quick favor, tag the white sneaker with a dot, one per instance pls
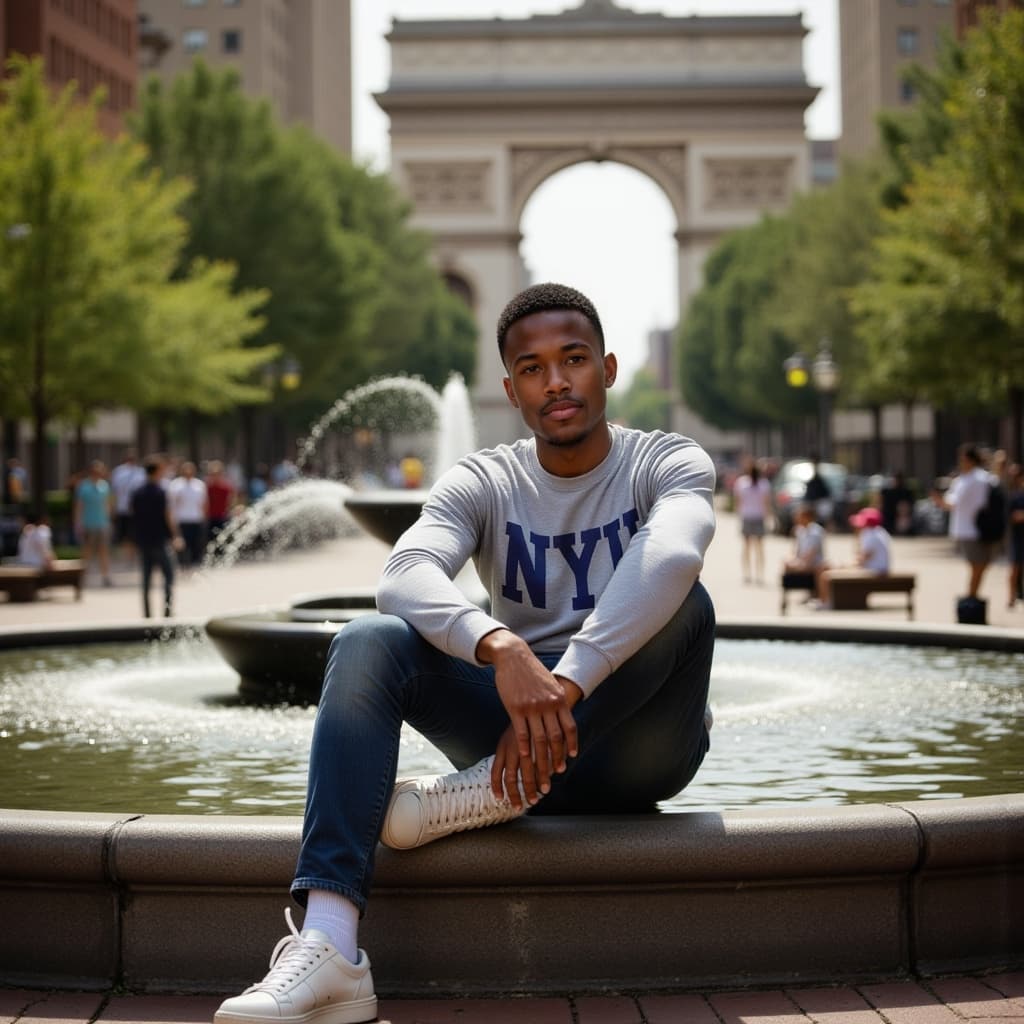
(309, 980)
(431, 806)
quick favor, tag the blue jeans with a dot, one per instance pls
(641, 733)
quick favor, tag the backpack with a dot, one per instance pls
(990, 520)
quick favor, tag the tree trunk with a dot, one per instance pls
(39, 420)
(1017, 424)
(11, 434)
(908, 439)
(192, 425)
(877, 442)
(81, 461)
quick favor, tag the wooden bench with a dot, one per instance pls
(797, 581)
(22, 583)
(849, 589)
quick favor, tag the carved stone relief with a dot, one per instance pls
(449, 185)
(747, 183)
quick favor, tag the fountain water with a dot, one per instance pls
(280, 654)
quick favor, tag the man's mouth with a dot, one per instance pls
(563, 409)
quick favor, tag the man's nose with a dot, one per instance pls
(556, 380)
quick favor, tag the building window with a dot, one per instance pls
(232, 3)
(232, 40)
(194, 39)
(907, 42)
(194, 3)
(907, 92)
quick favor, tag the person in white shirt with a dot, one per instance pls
(966, 495)
(187, 497)
(753, 496)
(125, 479)
(873, 551)
(809, 535)
(35, 544)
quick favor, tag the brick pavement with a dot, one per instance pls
(989, 999)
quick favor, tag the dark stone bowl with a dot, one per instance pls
(386, 515)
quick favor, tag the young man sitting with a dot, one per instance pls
(583, 690)
(873, 552)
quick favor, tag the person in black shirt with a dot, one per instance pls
(155, 534)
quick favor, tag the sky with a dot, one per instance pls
(603, 228)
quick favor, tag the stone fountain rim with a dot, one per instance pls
(135, 890)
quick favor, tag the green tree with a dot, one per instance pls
(835, 231)
(944, 305)
(96, 242)
(643, 404)
(732, 344)
(352, 293)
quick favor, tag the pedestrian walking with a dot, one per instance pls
(94, 506)
(189, 506)
(155, 534)
(753, 495)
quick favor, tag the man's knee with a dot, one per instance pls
(369, 648)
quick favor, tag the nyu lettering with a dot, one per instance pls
(577, 552)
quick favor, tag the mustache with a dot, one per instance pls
(548, 406)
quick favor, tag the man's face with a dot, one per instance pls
(557, 376)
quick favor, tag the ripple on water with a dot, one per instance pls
(158, 728)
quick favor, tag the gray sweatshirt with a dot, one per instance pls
(590, 566)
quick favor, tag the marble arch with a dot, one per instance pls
(484, 111)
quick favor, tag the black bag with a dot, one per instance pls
(971, 611)
(990, 520)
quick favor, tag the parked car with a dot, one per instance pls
(789, 486)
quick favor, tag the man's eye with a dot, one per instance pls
(532, 368)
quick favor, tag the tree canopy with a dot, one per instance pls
(88, 241)
(944, 302)
(911, 264)
(351, 290)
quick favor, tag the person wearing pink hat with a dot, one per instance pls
(873, 552)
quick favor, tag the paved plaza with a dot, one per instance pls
(356, 562)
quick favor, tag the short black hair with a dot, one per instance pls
(540, 298)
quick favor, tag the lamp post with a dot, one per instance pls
(825, 373)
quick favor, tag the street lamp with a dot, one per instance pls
(825, 373)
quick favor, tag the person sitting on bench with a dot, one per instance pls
(35, 544)
(808, 558)
(873, 552)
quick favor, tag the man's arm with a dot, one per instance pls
(417, 585)
(656, 572)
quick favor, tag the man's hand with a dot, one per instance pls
(542, 731)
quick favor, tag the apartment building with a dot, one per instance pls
(93, 42)
(295, 53)
(878, 41)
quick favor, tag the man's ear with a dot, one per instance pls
(510, 392)
(611, 369)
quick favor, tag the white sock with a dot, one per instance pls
(337, 917)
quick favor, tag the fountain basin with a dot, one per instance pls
(762, 895)
(385, 515)
(279, 654)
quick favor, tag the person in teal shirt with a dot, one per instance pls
(94, 502)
